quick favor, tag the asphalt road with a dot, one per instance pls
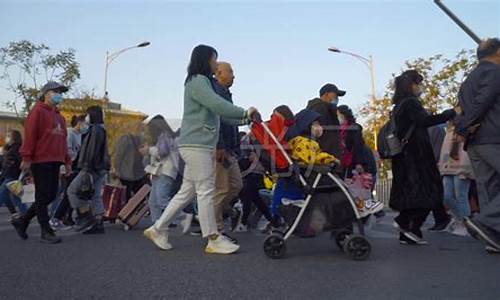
(124, 265)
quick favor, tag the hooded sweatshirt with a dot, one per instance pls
(45, 136)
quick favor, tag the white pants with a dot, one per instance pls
(198, 182)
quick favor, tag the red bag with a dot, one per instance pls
(114, 198)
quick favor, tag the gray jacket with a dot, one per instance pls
(479, 98)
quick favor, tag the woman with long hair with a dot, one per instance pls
(351, 141)
(417, 186)
(203, 109)
(10, 171)
(93, 162)
(163, 165)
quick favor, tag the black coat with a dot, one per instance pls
(329, 141)
(416, 180)
(354, 143)
(11, 161)
(93, 155)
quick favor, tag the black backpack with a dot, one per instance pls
(388, 142)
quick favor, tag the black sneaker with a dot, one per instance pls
(441, 227)
(21, 226)
(235, 217)
(482, 233)
(49, 237)
(196, 232)
(403, 240)
(96, 229)
(406, 232)
(230, 238)
(84, 222)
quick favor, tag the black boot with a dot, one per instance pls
(21, 225)
(49, 237)
(85, 221)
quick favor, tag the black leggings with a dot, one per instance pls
(46, 177)
(413, 219)
(250, 194)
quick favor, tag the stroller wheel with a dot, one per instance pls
(340, 237)
(274, 246)
(357, 247)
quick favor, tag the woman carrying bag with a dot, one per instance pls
(417, 186)
(84, 192)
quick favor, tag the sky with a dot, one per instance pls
(278, 49)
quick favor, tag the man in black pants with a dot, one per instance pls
(44, 151)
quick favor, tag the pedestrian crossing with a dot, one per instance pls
(379, 229)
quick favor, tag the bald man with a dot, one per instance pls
(228, 181)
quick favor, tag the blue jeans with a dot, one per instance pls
(5, 195)
(160, 195)
(456, 195)
(96, 203)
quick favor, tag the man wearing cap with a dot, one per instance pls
(43, 152)
(479, 125)
(326, 106)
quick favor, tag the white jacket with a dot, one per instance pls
(168, 166)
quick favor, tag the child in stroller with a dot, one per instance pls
(329, 205)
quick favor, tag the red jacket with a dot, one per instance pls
(45, 136)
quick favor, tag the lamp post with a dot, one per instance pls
(368, 62)
(113, 56)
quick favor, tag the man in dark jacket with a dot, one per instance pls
(479, 124)
(326, 106)
(228, 181)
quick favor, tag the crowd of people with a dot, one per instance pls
(210, 171)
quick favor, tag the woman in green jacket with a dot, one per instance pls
(203, 110)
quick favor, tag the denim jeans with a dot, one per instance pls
(96, 203)
(456, 195)
(198, 182)
(6, 195)
(161, 193)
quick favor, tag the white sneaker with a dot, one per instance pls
(160, 239)
(241, 228)
(186, 223)
(459, 229)
(373, 206)
(221, 245)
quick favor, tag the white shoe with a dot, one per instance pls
(221, 245)
(186, 223)
(241, 228)
(298, 203)
(160, 239)
(459, 229)
(373, 207)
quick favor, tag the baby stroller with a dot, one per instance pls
(316, 182)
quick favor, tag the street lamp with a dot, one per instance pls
(113, 56)
(368, 62)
